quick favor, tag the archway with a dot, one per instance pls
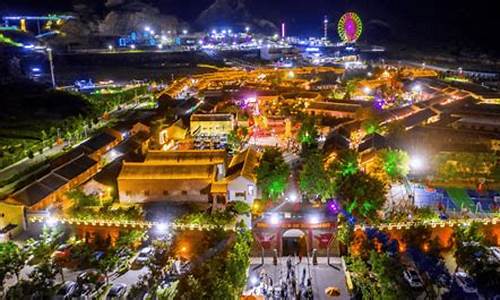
(292, 241)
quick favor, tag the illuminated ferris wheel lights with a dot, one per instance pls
(350, 27)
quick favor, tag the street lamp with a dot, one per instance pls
(274, 219)
(51, 221)
(110, 47)
(49, 53)
(132, 46)
(314, 219)
(416, 163)
(184, 31)
(417, 88)
(367, 90)
(162, 227)
(247, 29)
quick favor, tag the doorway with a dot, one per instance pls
(292, 242)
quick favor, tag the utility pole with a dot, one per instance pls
(49, 53)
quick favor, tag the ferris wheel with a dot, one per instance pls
(350, 27)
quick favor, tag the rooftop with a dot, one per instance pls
(188, 157)
(99, 141)
(75, 167)
(212, 117)
(244, 164)
(159, 171)
(32, 194)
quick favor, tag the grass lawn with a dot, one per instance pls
(460, 197)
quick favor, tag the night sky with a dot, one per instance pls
(470, 24)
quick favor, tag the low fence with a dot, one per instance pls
(127, 224)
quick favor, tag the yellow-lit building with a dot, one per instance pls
(202, 176)
(184, 176)
(211, 124)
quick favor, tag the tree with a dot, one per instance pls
(361, 194)
(272, 173)
(308, 134)
(387, 272)
(390, 165)
(345, 164)
(238, 208)
(80, 199)
(12, 260)
(169, 292)
(43, 279)
(313, 178)
(236, 137)
(107, 264)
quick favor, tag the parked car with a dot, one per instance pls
(413, 278)
(495, 252)
(465, 282)
(62, 252)
(66, 291)
(83, 291)
(142, 257)
(117, 291)
(98, 255)
(93, 277)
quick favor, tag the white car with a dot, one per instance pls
(465, 282)
(413, 278)
(495, 251)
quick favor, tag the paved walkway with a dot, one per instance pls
(322, 275)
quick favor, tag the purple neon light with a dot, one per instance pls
(350, 27)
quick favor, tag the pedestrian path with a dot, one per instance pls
(322, 276)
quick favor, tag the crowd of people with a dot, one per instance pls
(288, 286)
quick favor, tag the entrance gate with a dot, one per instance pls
(291, 242)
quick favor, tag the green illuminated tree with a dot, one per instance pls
(308, 134)
(313, 178)
(346, 163)
(360, 194)
(391, 165)
(272, 173)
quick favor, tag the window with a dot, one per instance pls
(239, 194)
(165, 193)
(251, 189)
(146, 193)
(128, 193)
(184, 192)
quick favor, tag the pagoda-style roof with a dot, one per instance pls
(244, 164)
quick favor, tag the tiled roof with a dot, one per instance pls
(191, 157)
(159, 171)
(53, 181)
(211, 117)
(99, 141)
(76, 167)
(32, 194)
(244, 164)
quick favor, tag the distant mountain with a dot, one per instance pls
(233, 13)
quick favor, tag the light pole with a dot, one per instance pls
(49, 53)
